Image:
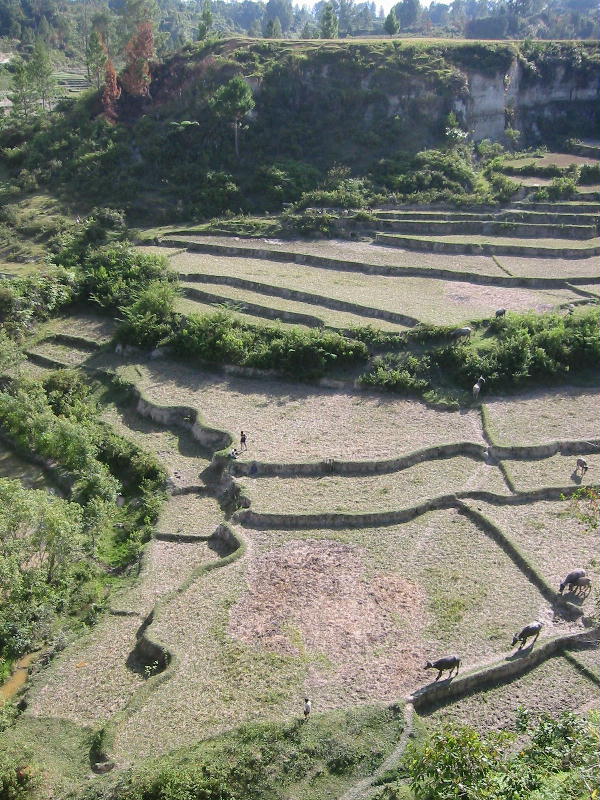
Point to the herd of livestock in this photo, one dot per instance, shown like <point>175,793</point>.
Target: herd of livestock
<point>576,582</point>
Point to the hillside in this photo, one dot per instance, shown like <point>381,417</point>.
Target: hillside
<point>366,105</point>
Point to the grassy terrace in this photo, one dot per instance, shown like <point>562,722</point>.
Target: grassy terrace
<point>544,415</point>
<point>550,537</point>
<point>427,299</point>
<point>553,687</point>
<point>375,493</point>
<point>289,422</point>
<point>555,471</point>
<point>362,252</point>
<point>328,317</point>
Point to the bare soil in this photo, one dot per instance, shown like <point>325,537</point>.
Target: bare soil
<point>315,596</point>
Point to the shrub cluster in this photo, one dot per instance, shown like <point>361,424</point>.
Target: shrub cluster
<point>516,349</point>
<point>220,338</point>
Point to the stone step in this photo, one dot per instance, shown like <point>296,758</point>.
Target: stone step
<point>552,248</point>
<point>569,207</point>
<point>491,216</point>
<point>491,228</point>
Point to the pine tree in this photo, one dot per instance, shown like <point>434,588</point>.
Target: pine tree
<point>42,74</point>
<point>391,24</point>
<point>231,102</point>
<point>22,94</point>
<point>140,49</point>
<point>206,21</point>
<point>277,31</point>
<point>111,93</point>
<point>329,23</point>
<point>96,58</point>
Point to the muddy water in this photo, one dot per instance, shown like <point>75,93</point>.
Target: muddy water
<point>18,678</point>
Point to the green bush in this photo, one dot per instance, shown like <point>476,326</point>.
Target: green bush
<point>219,338</point>
<point>116,274</point>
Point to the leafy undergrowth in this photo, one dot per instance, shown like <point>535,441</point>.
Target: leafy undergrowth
<point>296,760</point>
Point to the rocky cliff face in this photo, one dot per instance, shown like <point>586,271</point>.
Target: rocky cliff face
<point>531,106</point>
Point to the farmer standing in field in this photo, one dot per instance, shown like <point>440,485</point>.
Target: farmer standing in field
<point>243,445</point>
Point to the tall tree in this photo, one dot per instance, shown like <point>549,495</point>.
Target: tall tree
<point>42,74</point>
<point>232,102</point>
<point>96,57</point>
<point>22,94</point>
<point>282,9</point>
<point>111,93</point>
<point>329,23</point>
<point>206,21</point>
<point>391,24</point>
<point>407,13</point>
<point>140,49</point>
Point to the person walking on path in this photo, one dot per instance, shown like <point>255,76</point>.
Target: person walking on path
<point>307,707</point>
<point>243,445</point>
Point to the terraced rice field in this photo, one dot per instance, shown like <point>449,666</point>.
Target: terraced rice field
<point>373,493</point>
<point>557,470</point>
<point>288,422</point>
<point>553,687</point>
<point>240,622</point>
<point>356,252</point>
<point>266,304</point>
<point>425,299</point>
<point>549,536</point>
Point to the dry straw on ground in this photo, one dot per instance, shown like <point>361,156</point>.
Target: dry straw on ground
<point>544,415</point>
<point>291,422</point>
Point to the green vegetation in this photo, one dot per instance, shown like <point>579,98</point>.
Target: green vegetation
<point>559,759</point>
<point>307,124</point>
<point>514,350</point>
<point>272,761</point>
<point>50,545</point>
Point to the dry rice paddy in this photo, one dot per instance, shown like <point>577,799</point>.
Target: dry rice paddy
<point>427,299</point>
<point>288,422</point>
<point>544,415</point>
<point>555,471</point>
<point>89,681</point>
<point>362,252</point>
<point>326,316</point>
<point>549,536</point>
<point>374,493</point>
<point>553,687</point>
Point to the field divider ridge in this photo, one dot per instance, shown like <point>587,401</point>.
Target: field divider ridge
<point>501,671</point>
